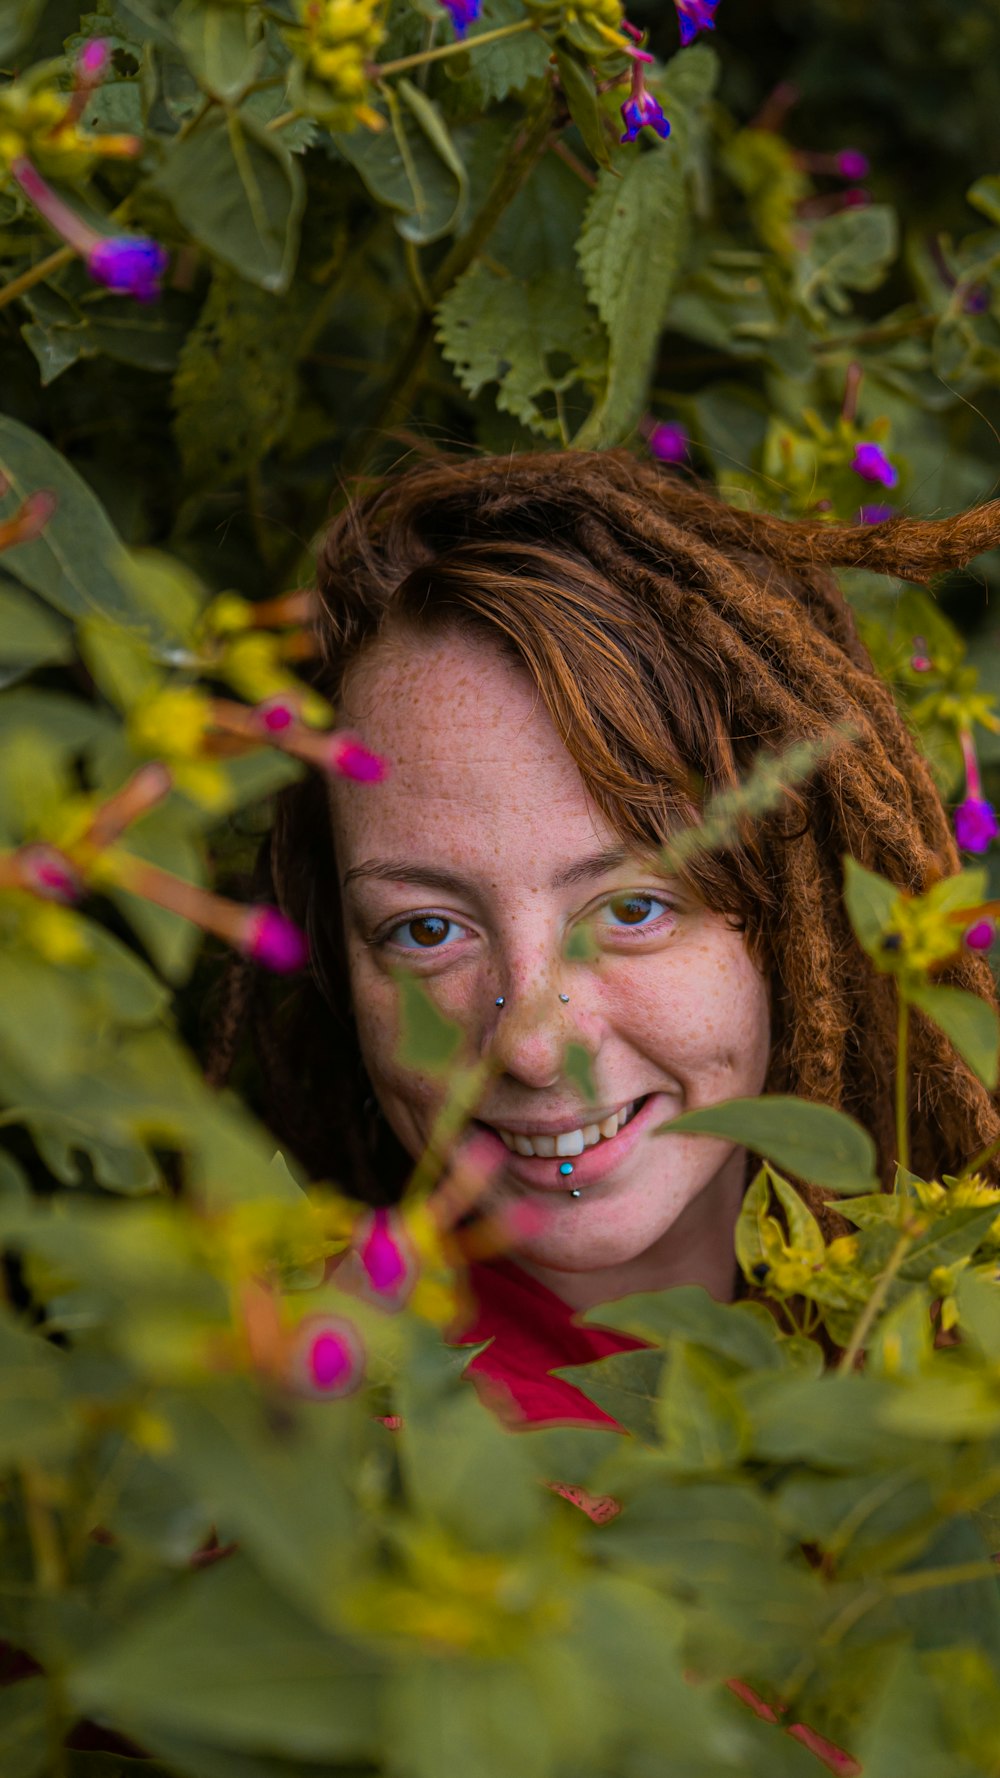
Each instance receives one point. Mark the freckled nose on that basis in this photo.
(529, 1038)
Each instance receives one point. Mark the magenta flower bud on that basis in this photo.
(276, 715)
(920, 660)
(93, 62)
(980, 936)
(349, 759)
(48, 874)
(668, 443)
(327, 1358)
(852, 164)
(275, 942)
(975, 825)
(874, 515)
(390, 1269)
(462, 13)
(872, 464)
(130, 265)
(694, 16)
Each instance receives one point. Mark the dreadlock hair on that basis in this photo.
(671, 638)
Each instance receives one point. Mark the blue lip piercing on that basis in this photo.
(566, 1168)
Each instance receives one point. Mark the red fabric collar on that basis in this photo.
(533, 1333)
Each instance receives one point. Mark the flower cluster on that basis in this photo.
(334, 44)
(597, 28)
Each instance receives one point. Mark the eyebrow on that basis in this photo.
(431, 876)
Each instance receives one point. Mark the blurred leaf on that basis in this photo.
(240, 193)
(702, 1425)
(967, 1021)
(626, 1385)
(814, 1142)
(25, 1727)
(741, 1332)
(577, 82)
(850, 251)
(234, 392)
(30, 636)
(869, 901)
(222, 46)
(427, 1039)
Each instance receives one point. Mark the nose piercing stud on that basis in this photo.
(565, 999)
(499, 1000)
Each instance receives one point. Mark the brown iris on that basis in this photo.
(428, 930)
(631, 909)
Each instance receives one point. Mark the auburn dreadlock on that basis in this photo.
(671, 638)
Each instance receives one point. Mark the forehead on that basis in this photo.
(476, 766)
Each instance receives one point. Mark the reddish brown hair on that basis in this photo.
(671, 638)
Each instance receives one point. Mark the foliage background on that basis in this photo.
(499, 274)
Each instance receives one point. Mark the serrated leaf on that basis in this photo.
(239, 193)
(968, 1023)
(852, 250)
(814, 1142)
(528, 336)
(234, 392)
(508, 66)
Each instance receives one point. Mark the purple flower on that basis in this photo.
(641, 109)
(351, 760)
(874, 515)
(976, 300)
(327, 1357)
(668, 443)
(694, 16)
(48, 874)
(388, 1267)
(462, 13)
(275, 715)
(872, 464)
(852, 164)
(130, 265)
(976, 824)
(276, 942)
(93, 62)
(980, 936)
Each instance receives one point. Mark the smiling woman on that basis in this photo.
(562, 656)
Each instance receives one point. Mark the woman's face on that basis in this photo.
(474, 868)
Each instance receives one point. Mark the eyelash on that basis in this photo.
(389, 938)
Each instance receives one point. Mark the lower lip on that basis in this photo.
(592, 1167)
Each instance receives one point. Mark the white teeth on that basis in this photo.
(568, 1142)
(571, 1142)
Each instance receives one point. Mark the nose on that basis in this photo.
(529, 1036)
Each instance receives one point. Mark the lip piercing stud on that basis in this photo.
(565, 999)
(566, 1168)
(499, 1000)
(576, 1192)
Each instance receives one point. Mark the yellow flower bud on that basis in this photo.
(172, 723)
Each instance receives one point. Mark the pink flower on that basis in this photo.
(350, 759)
(276, 715)
(668, 443)
(275, 942)
(390, 1269)
(872, 464)
(980, 936)
(47, 873)
(327, 1357)
(852, 164)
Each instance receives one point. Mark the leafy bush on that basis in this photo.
(368, 232)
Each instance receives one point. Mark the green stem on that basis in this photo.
(980, 1160)
(863, 1325)
(925, 1579)
(53, 262)
(902, 1114)
(379, 70)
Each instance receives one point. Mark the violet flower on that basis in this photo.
(641, 109)
(131, 265)
(668, 442)
(980, 936)
(872, 464)
(874, 515)
(389, 1268)
(694, 16)
(462, 13)
(852, 164)
(976, 825)
(349, 759)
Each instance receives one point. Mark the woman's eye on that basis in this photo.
(426, 932)
(634, 910)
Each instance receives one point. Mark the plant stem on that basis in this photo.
(863, 1325)
(42, 1535)
(379, 70)
(925, 1579)
(980, 1160)
(902, 1117)
(36, 274)
(282, 120)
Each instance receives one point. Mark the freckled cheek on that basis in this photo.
(710, 1015)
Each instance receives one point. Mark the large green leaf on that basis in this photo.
(30, 636)
(222, 45)
(869, 901)
(413, 167)
(814, 1142)
(25, 1727)
(702, 1424)
(849, 251)
(968, 1022)
(240, 193)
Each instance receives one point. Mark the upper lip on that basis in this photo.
(552, 1127)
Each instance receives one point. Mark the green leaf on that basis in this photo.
(413, 167)
(852, 250)
(578, 1067)
(968, 1022)
(739, 1332)
(626, 1385)
(30, 636)
(814, 1142)
(577, 82)
(222, 45)
(25, 1727)
(239, 193)
(508, 66)
(427, 1039)
(227, 1659)
(985, 195)
(702, 1425)
(905, 1730)
(234, 392)
(870, 902)
(79, 563)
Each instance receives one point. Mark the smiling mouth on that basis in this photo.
(567, 1143)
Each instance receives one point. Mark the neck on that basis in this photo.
(696, 1249)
